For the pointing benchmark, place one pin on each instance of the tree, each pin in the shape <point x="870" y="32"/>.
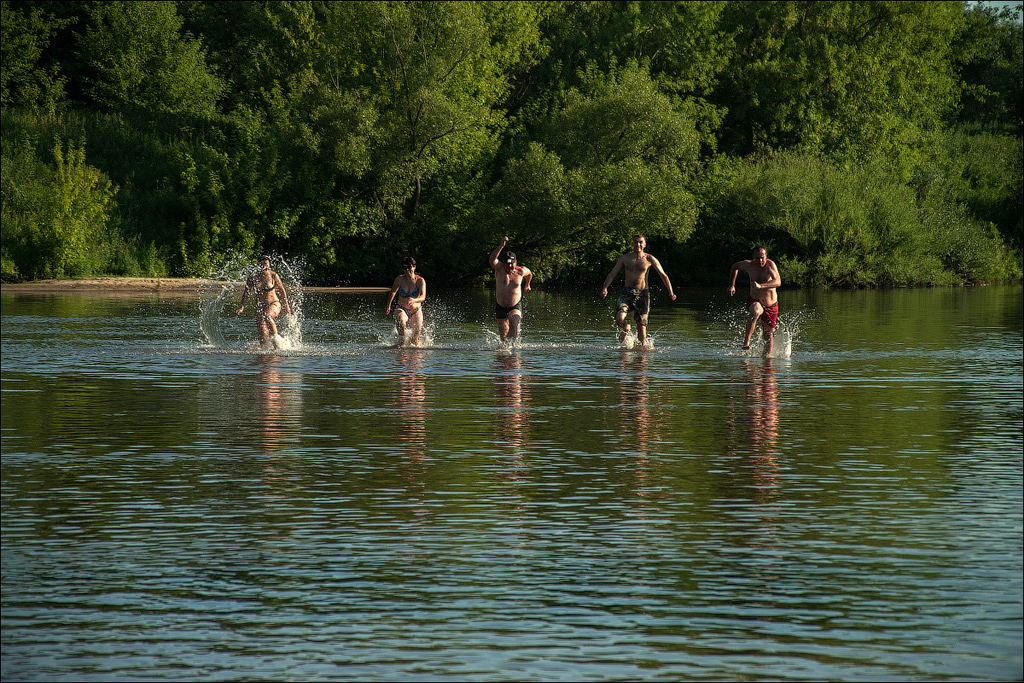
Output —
<point x="679" y="42"/>
<point x="437" y="85"/>
<point x="614" y="161"/>
<point x="141" y="59"/>
<point x="845" y="79"/>
<point x="25" y="33"/>
<point x="51" y="215"/>
<point x="990" y="58"/>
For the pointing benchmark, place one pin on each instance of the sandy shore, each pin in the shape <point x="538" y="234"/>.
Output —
<point x="171" y="286"/>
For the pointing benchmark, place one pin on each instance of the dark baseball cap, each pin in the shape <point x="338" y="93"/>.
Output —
<point x="510" y="257"/>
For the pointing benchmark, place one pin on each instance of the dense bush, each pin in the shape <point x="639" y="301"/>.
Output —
<point x="54" y="216"/>
<point x="831" y="225"/>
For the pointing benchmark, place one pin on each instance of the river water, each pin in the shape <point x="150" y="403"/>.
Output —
<point x="176" y="509"/>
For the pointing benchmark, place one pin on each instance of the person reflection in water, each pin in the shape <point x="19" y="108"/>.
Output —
<point x="762" y="402"/>
<point x="636" y="413"/>
<point x="512" y="396"/>
<point x="278" y="414"/>
<point x="407" y="399"/>
<point x="763" y="416"/>
<point x="268" y="294"/>
<point x="411" y="290"/>
<point x="410" y="397"/>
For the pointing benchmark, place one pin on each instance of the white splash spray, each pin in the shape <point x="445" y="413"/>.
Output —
<point x="223" y="289"/>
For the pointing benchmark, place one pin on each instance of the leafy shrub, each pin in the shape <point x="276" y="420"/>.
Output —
<point x="52" y="215"/>
<point x="854" y="226"/>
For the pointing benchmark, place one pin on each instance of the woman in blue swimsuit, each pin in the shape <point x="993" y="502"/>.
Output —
<point x="411" y="290"/>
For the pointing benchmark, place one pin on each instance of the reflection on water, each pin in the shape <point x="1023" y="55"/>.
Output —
<point x="762" y="448"/>
<point x="511" y="427"/>
<point x="637" y="423"/>
<point x="755" y="425"/>
<point x="512" y="398"/>
<point x="346" y="510"/>
<point x="277" y="408"/>
<point x="409" y="396"/>
<point x="406" y="410"/>
<point x="278" y="405"/>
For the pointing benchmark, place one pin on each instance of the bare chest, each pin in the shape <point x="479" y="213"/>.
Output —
<point x="636" y="266"/>
<point x="513" y="279"/>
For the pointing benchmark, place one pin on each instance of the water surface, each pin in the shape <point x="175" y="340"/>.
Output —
<point x="571" y="510"/>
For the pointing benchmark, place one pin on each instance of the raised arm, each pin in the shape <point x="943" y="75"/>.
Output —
<point x="497" y="252"/>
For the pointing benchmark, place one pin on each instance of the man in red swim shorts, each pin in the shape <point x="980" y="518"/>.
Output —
<point x="763" y="301"/>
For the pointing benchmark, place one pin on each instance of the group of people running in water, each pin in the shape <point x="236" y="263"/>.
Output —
<point x="512" y="282"/>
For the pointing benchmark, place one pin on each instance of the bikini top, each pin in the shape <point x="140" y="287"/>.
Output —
<point x="265" y="287"/>
<point x="413" y="293"/>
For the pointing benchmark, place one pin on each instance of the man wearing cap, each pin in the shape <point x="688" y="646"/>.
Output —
<point x="635" y="295"/>
<point x="511" y="282"/>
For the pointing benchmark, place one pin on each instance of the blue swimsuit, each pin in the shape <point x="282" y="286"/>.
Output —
<point x="401" y="293"/>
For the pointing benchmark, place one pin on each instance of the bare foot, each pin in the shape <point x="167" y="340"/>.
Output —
<point x="623" y="333"/>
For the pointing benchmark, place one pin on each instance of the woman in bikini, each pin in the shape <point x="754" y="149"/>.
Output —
<point x="411" y="290"/>
<point x="268" y="293"/>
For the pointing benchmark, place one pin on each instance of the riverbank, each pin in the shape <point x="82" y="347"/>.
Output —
<point x="171" y="286"/>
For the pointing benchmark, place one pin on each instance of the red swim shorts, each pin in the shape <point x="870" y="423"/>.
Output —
<point x="771" y="313"/>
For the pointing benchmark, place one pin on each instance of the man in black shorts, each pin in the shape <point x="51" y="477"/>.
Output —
<point x="511" y="282"/>
<point x="635" y="295"/>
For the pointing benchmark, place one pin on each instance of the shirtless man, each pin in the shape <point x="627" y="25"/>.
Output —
<point x="511" y="282"/>
<point x="265" y="285"/>
<point x="635" y="295"/>
<point x="762" y="301"/>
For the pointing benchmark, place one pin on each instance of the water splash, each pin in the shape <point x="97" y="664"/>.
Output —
<point x="393" y="339"/>
<point x="787" y="331"/>
<point x="494" y="342"/>
<point x="223" y="288"/>
<point x="209" y="320"/>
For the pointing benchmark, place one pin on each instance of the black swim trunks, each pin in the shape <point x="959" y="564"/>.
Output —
<point x="636" y="300"/>
<point x="501" y="312"/>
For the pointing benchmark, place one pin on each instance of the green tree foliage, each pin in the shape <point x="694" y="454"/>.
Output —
<point x="842" y="79"/>
<point x="679" y="43"/>
<point x="52" y="215"/>
<point x="353" y="133"/>
<point x="616" y="160"/>
<point x="983" y="173"/>
<point x="439" y="75"/>
<point x="141" y="59"/>
<point x="990" y="55"/>
<point x="831" y="225"/>
<point x="25" y="32"/>
<point x="348" y="109"/>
